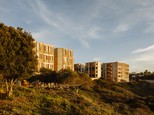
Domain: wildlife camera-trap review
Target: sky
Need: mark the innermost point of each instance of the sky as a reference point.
(96, 30)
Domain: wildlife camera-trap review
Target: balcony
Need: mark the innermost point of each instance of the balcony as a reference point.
(109, 69)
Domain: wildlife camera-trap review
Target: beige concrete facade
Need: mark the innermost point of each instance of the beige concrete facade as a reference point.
(115, 71)
(64, 59)
(79, 67)
(45, 56)
(93, 69)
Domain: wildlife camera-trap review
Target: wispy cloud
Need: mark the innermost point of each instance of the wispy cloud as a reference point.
(139, 13)
(89, 27)
(96, 58)
(105, 27)
(86, 29)
(141, 50)
(121, 28)
(144, 14)
(140, 62)
(141, 59)
(83, 30)
(84, 43)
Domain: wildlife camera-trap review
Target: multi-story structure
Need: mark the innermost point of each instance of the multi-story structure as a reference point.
(45, 55)
(79, 67)
(93, 69)
(115, 71)
(64, 59)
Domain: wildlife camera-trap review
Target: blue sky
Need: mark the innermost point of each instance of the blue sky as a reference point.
(96, 30)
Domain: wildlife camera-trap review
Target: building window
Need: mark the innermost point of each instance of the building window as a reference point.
(65, 51)
(40, 56)
(48, 66)
(67, 60)
(44, 48)
(42, 65)
(48, 48)
(37, 46)
(70, 53)
(40, 47)
(49, 58)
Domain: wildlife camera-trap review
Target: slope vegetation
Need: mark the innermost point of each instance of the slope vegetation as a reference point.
(100, 98)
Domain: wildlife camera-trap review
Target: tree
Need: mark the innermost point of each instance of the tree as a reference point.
(45, 70)
(146, 72)
(17, 58)
(67, 76)
(85, 81)
(74, 79)
(47, 75)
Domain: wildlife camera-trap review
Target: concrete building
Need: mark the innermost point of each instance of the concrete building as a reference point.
(79, 67)
(115, 71)
(93, 69)
(63, 59)
(45, 55)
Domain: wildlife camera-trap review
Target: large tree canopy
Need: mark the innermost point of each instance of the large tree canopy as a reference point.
(78, 80)
(17, 58)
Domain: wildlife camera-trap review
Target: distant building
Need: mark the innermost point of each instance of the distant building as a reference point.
(93, 69)
(45, 55)
(63, 59)
(115, 71)
(79, 67)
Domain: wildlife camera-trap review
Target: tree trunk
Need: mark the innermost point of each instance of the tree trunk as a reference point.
(6, 86)
(10, 92)
(9, 87)
(76, 89)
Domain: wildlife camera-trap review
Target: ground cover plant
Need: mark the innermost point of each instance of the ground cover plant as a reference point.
(102, 98)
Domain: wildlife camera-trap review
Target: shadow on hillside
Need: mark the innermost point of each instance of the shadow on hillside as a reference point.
(141, 88)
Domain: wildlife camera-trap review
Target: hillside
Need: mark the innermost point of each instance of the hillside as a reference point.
(100, 98)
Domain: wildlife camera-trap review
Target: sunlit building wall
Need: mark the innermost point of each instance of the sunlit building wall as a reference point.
(45, 56)
(115, 71)
(79, 67)
(63, 59)
(93, 69)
